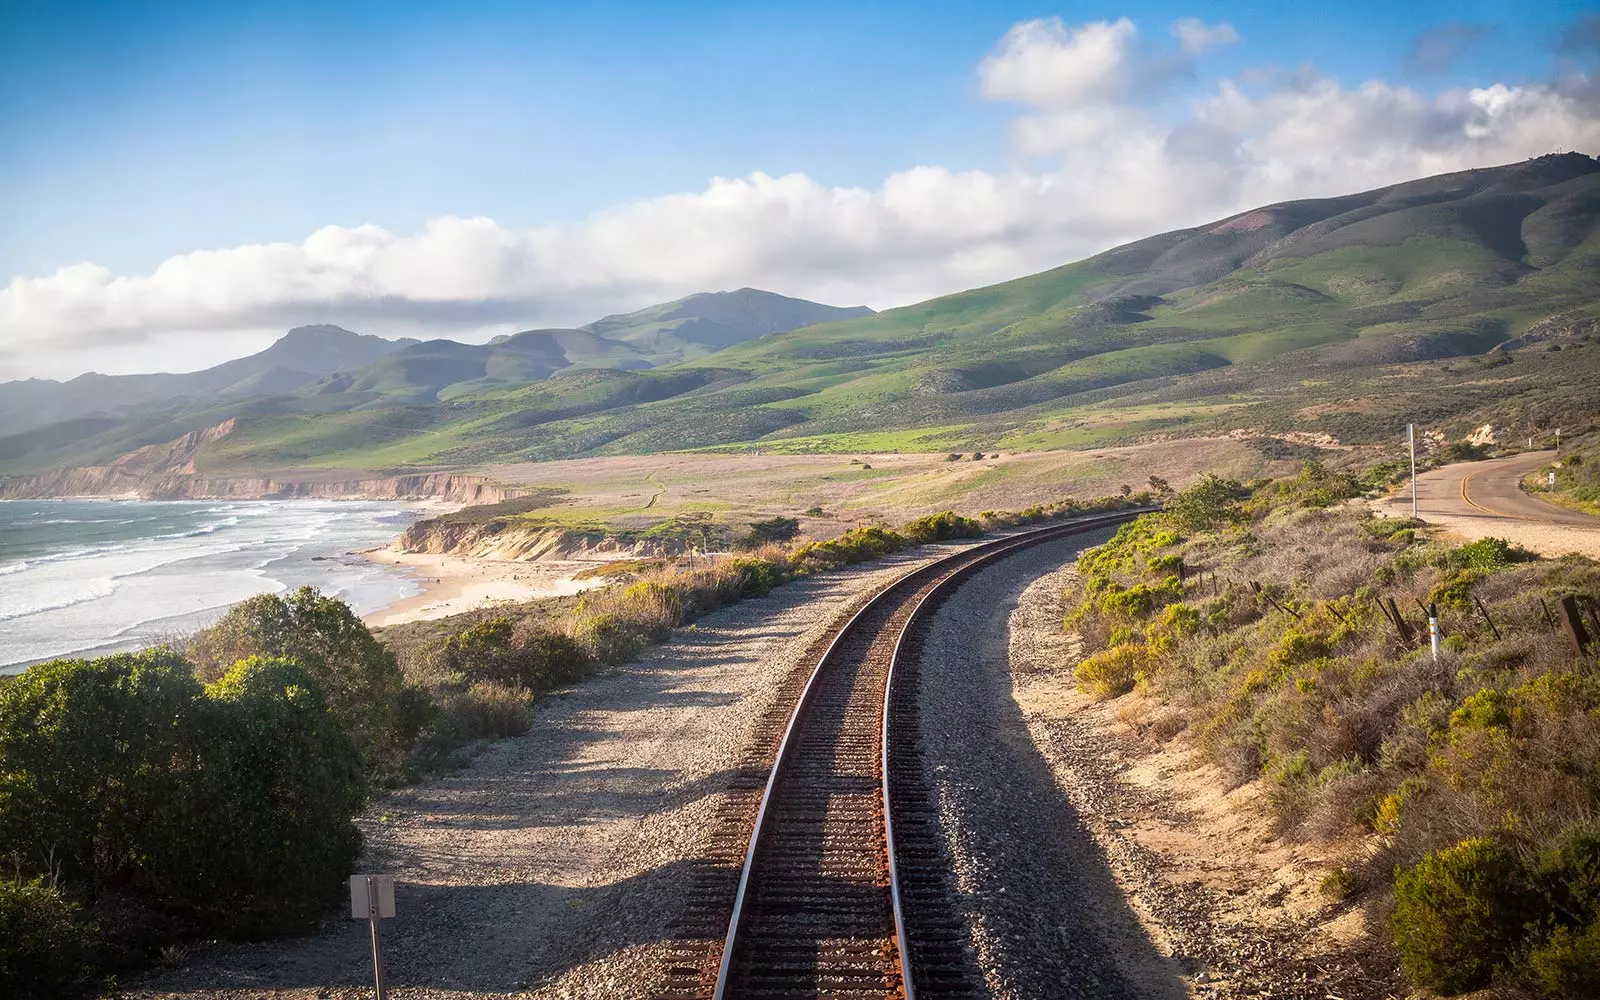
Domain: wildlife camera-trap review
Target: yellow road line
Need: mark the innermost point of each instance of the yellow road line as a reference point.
(1487, 510)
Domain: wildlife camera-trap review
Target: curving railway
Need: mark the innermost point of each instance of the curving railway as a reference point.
(826, 876)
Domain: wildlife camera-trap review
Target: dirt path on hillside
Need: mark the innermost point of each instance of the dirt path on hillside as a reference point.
(554, 864)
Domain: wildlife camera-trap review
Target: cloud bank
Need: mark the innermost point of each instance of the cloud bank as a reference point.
(1106, 150)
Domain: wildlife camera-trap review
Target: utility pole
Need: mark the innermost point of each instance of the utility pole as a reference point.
(1411, 437)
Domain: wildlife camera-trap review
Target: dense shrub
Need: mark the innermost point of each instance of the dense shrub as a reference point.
(1458, 914)
(1471, 779)
(1113, 671)
(1208, 504)
(359, 677)
(94, 761)
(854, 546)
(282, 780)
(45, 951)
(225, 809)
(941, 527)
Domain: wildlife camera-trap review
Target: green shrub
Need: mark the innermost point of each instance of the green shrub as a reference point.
(1485, 555)
(1139, 600)
(358, 676)
(488, 710)
(941, 527)
(608, 639)
(544, 658)
(226, 808)
(482, 649)
(1111, 672)
(274, 839)
(1211, 503)
(45, 952)
(757, 577)
(1458, 915)
(92, 759)
(854, 546)
(1567, 963)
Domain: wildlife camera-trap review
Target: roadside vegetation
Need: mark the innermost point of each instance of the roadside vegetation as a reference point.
(1577, 477)
(209, 789)
(1283, 629)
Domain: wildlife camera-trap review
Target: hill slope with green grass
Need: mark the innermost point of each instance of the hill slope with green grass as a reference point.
(1442, 301)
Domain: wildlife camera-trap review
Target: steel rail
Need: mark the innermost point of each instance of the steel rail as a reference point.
(967, 562)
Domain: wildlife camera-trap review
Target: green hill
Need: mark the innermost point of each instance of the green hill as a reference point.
(1442, 300)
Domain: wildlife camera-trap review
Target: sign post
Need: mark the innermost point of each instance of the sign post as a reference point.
(372, 900)
(1411, 438)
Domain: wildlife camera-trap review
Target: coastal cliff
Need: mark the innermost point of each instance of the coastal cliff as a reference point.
(504, 539)
(167, 472)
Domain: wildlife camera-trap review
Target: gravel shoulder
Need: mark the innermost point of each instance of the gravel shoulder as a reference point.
(555, 863)
(1094, 860)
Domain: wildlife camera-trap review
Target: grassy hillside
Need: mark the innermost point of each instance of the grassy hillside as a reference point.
(1437, 301)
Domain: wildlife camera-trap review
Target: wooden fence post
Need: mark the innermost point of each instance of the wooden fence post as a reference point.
(1574, 623)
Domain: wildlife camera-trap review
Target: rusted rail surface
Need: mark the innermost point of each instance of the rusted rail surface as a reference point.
(841, 886)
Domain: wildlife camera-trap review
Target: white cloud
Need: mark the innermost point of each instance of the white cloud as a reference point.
(1047, 64)
(1194, 36)
(1107, 169)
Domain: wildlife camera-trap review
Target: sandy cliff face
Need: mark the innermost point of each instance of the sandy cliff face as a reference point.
(505, 539)
(167, 472)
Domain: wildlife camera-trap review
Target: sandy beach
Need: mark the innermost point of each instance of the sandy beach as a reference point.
(453, 584)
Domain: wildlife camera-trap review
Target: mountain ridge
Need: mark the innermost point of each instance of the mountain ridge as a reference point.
(1331, 317)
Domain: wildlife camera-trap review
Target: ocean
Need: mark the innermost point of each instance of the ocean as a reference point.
(89, 577)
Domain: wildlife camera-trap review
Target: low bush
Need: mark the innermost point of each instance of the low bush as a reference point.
(941, 527)
(46, 951)
(1113, 671)
(488, 710)
(1458, 914)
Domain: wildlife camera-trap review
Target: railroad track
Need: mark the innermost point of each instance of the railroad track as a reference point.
(826, 876)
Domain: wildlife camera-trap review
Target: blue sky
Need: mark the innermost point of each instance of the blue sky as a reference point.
(135, 133)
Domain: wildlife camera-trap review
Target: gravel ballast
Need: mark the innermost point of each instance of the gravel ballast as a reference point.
(554, 864)
(1093, 860)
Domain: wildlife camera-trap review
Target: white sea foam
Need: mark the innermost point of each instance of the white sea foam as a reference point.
(180, 566)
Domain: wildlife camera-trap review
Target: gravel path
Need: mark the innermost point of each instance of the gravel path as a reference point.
(1046, 917)
(553, 865)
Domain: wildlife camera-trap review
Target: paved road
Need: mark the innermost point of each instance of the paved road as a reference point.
(1487, 491)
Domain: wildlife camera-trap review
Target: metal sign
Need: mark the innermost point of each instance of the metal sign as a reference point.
(372, 900)
(363, 889)
(1552, 480)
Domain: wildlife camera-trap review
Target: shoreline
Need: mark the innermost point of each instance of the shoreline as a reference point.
(454, 584)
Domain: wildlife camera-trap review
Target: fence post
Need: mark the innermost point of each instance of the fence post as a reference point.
(1574, 623)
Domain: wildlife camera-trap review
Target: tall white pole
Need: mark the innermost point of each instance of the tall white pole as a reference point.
(1411, 437)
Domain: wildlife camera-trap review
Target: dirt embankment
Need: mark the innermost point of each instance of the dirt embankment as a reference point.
(167, 472)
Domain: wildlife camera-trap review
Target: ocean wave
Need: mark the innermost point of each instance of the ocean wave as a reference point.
(89, 590)
(16, 567)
